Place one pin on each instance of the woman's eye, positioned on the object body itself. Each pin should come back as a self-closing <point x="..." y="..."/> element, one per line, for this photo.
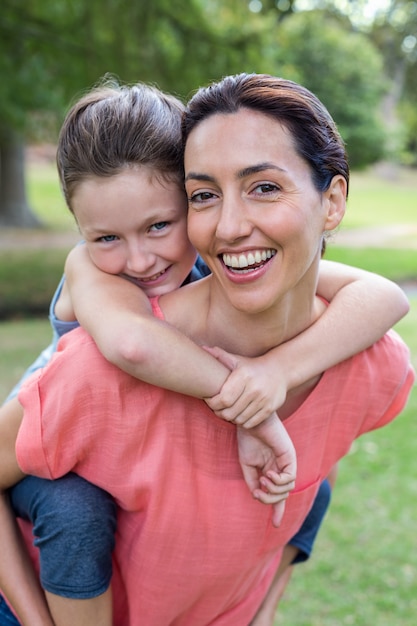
<point x="202" y="196"/>
<point x="159" y="226"/>
<point x="266" y="188"/>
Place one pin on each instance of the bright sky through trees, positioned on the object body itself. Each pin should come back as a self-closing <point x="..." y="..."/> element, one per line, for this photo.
<point x="360" y="12"/>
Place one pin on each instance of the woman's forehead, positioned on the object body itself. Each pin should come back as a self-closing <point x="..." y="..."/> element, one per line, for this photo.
<point x="238" y="139"/>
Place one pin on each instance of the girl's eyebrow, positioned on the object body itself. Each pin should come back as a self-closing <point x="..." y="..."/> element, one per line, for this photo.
<point x="246" y="171"/>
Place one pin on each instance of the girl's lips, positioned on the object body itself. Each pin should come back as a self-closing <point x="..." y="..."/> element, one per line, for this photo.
<point x="150" y="281"/>
<point x="152" y="278"/>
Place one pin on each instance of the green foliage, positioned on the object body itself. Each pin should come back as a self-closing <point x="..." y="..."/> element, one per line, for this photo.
<point x="344" y="70"/>
<point x="52" y="50"/>
<point x="408" y="113"/>
<point x="30" y="52"/>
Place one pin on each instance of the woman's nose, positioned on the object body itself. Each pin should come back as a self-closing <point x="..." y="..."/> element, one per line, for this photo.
<point x="233" y="222"/>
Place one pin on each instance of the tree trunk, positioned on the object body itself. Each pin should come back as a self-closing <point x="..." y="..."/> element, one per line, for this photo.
<point x="15" y="211"/>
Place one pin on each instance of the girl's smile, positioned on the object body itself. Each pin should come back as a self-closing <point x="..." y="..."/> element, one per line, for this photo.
<point x="134" y="225"/>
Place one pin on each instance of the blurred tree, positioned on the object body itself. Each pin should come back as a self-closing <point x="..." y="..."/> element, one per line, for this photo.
<point x="392" y="27"/>
<point x="53" y="49"/>
<point x="394" y="32"/>
<point x="26" y="86"/>
<point x="345" y="71"/>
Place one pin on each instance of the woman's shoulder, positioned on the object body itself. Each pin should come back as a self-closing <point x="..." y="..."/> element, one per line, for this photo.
<point x="185" y="307"/>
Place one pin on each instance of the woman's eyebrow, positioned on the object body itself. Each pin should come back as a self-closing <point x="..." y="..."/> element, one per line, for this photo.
<point x="245" y="171"/>
<point x="197" y="176"/>
<point x="259" y="167"/>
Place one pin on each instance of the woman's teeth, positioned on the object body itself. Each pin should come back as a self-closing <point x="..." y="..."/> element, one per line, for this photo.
<point x="247" y="260"/>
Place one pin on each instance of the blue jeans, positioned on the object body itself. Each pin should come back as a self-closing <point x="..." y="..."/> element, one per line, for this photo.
<point x="6" y="616"/>
<point x="306" y="536"/>
<point x="74" y="523"/>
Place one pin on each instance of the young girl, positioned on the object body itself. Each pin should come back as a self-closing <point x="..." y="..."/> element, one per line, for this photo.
<point x="129" y="205"/>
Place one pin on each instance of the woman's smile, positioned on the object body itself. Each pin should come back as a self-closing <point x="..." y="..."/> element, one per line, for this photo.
<point x="254" y="213"/>
<point x="247" y="261"/>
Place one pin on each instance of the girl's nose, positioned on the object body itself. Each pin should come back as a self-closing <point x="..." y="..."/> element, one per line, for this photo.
<point x="139" y="260"/>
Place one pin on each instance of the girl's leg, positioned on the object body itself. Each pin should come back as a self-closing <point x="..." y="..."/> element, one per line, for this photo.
<point x="70" y="611"/>
<point x="73" y="526"/>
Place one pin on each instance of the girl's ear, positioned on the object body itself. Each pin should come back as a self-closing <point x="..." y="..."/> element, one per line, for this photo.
<point x="335" y="199"/>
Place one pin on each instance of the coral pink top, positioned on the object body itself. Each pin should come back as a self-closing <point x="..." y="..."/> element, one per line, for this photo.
<point x="193" y="548"/>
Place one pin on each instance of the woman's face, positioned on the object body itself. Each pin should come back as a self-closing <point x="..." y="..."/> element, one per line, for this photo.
<point x="254" y="213"/>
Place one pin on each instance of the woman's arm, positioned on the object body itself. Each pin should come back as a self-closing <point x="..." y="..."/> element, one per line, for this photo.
<point x="363" y="307"/>
<point x="17" y="577"/>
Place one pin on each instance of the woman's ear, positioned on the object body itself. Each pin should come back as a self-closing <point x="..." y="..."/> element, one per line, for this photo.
<point x="335" y="199"/>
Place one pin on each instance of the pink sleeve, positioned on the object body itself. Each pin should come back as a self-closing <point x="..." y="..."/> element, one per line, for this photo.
<point x="60" y="422"/>
<point x="390" y="359"/>
<point x="29" y="449"/>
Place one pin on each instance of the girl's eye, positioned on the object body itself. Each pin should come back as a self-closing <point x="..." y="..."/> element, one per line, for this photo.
<point x="107" y="238"/>
<point x="159" y="226"/>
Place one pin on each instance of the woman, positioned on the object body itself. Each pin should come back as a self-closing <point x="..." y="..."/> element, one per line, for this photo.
<point x="266" y="178"/>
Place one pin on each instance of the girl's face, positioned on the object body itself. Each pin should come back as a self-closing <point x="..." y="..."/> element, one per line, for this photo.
<point x="134" y="224"/>
<point x="254" y="213"/>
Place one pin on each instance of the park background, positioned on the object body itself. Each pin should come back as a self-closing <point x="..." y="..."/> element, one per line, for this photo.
<point x="360" y="58"/>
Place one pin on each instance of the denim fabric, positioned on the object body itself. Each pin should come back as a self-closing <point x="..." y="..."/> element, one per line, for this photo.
<point x="6" y="616"/>
<point x="306" y="536"/>
<point x="74" y="523"/>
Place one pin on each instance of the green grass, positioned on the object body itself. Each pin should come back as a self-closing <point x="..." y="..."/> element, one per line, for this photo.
<point x="46" y="198"/>
<point x="396" y="264"/>
<point x="21" y="342"/>
<point x="375" y="200"/>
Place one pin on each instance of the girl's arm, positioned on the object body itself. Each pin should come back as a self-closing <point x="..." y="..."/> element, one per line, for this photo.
<point x="119" y="318"/>
<point x="18" y="580"/>
<point x="363" y="306"/>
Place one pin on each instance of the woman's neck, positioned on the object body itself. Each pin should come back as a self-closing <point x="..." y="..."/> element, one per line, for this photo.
<point x="210" y="319"/>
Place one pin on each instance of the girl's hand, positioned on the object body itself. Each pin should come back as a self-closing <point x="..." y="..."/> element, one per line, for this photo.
<point x="251" y="392"/>
<point x="269" y="464"/>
